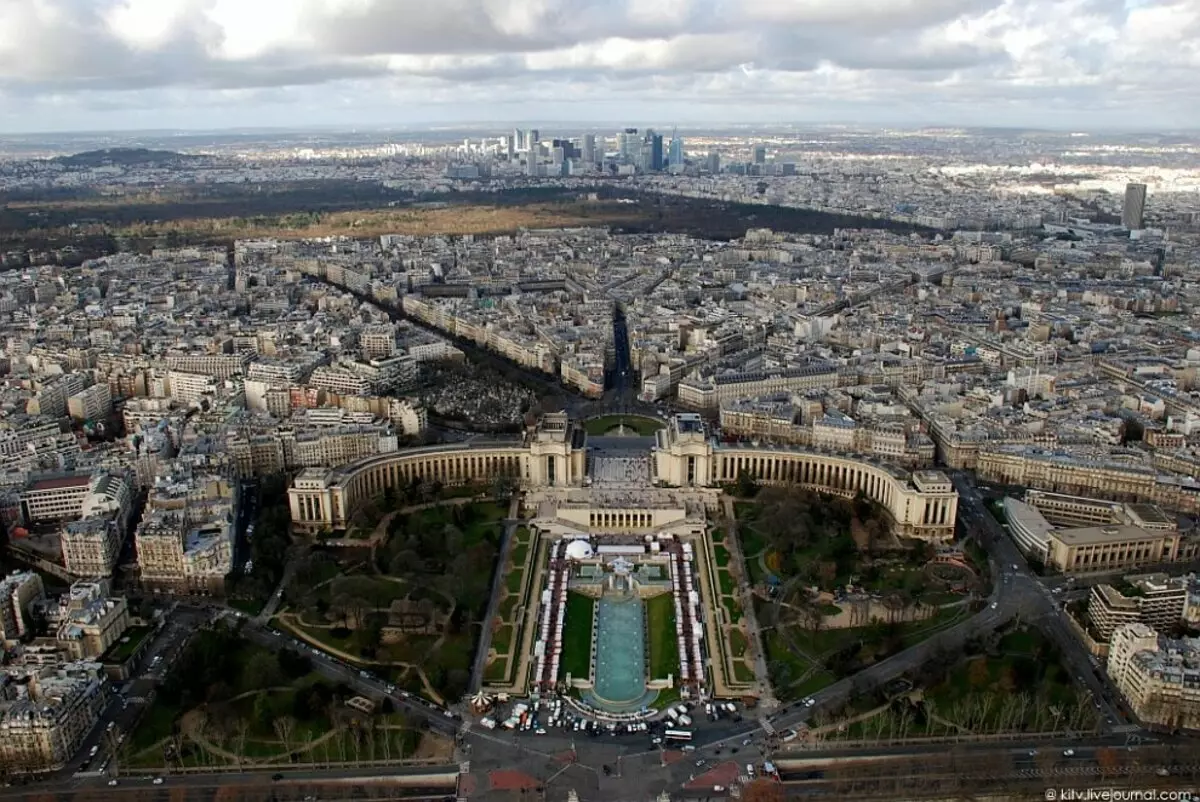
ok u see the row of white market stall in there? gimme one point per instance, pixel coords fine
(688, 627)
(547, 650)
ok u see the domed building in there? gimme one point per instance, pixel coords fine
(579, 550)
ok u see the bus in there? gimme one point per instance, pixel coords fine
(678, 735)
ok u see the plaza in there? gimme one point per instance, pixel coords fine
(612, 598)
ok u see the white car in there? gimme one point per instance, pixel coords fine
(112, 782)
(1068, 753)
(809, 702)
(158, 780)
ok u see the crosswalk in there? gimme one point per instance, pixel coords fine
(767, 725)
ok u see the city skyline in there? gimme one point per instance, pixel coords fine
(97, 65)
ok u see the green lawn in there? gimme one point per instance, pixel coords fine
(520, 553)
(738, 643)
(378, 591)
(502, 639)
(248, 606)
(508, 606)
(742, 672)
(786, 669)
(497, 670)
(128, 644)
(577, 636)
(753, 543)
(745, 511)
(155, 724)
(717, 536)
(666, 697)
(513, 580)
(664, 647)
(644, 426)
(725, 581)
(721, 555)
(732, 607)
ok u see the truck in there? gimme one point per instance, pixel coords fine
(487, 723)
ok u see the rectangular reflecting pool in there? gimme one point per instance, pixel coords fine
(620, 670)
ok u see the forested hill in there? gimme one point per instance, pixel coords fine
(123, 157)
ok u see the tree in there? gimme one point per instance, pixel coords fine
(262, 671)
(284, 727)
(747, 485)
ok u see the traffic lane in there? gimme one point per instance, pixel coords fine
(166, 643)
(263, 777)
(1074, 655)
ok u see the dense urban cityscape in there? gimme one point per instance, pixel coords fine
(646, 463)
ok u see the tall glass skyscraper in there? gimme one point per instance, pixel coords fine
(676, 151)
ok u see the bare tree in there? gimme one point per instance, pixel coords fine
(284, 727)
(242, 730)
(387, 741)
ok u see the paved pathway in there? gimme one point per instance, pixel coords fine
(499, 589)
(746, 599)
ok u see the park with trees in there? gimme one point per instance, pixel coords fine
(410, 605)
(229, 702)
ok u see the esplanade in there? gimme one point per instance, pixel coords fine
(554, 454)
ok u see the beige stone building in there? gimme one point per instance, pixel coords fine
(18, 592)
(1045, 469)
(1156, 600)
(46, 712)
(922, 504)
(87, 621)
(1159, 677)
(552, 454)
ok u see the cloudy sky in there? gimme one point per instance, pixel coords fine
(130, 64)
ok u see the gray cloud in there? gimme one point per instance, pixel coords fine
(1084, 54)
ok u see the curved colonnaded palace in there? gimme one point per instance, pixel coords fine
(921, 504)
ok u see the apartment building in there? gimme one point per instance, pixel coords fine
(218, 366)
(277, 372)
(340, 381)
(93, 403)
(19, 591)
(46, 712)
(1072, 474)
(87, 621)
(54, 498)
(707, 394)
(189, 388)
(177, 555)
(52, 395)
(1158, 676)
(1156, 600)
(90, 546)
(378, 342)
